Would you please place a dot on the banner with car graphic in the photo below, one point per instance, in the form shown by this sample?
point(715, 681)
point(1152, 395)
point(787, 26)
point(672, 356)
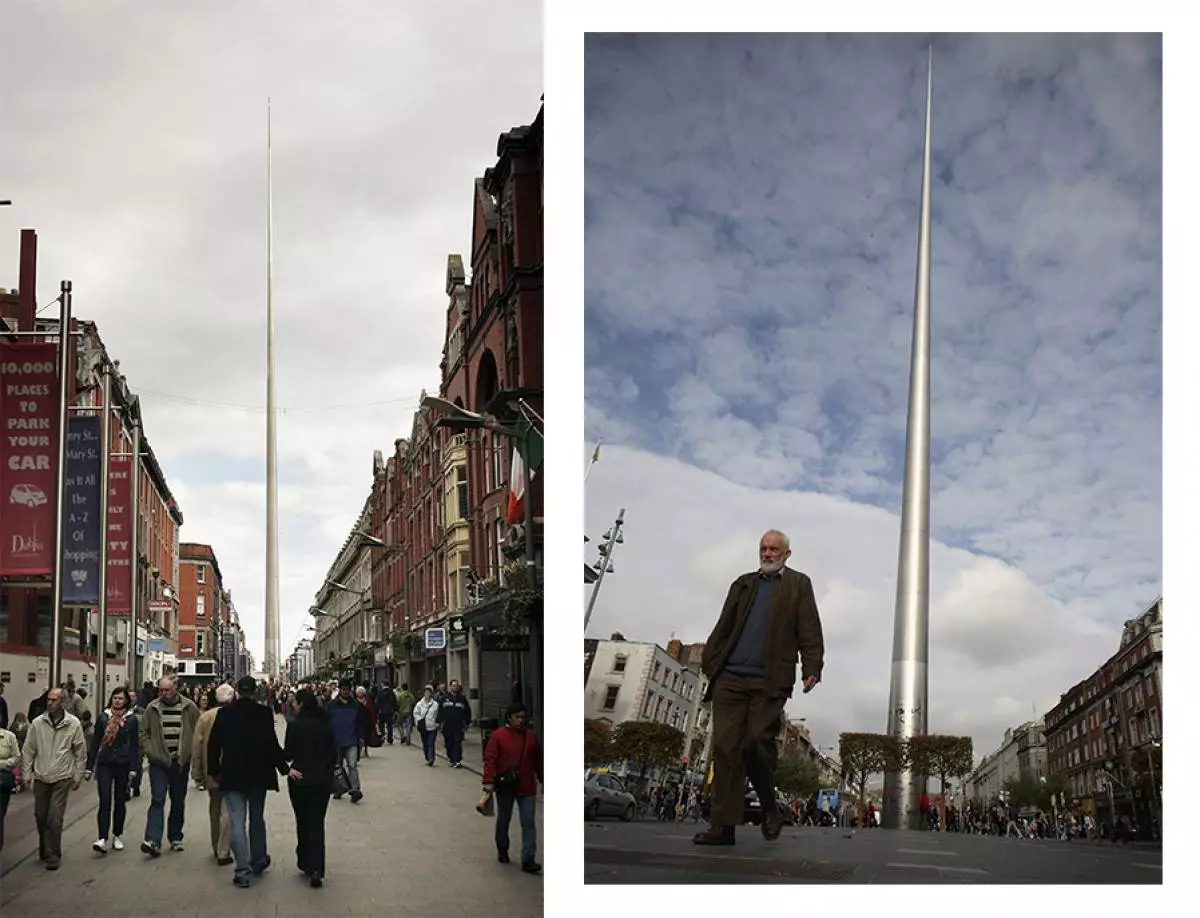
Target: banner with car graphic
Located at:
point(81, 516)
point(28, 457)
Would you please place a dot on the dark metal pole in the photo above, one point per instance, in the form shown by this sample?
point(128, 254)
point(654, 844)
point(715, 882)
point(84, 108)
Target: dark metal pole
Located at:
point(65, 342)
point(135, 485)
point(535, 624)
point(105, 451)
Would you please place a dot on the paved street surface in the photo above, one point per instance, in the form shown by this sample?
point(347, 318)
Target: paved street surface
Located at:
point(662, 852)
point(414, 845)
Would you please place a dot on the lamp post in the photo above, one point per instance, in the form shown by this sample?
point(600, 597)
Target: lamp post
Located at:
point(612, 538)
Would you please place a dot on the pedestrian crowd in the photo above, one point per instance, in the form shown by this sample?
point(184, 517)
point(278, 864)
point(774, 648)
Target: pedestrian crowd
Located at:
point(222, 738)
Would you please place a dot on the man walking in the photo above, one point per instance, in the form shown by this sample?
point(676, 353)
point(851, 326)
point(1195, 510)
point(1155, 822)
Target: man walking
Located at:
point(53, 761)
point(386, 703)
point(350, 730)
point(218, 816)
point(404, 709)
point(244, 757)
point(454, 715)
point(166, 733)
point(770, 616)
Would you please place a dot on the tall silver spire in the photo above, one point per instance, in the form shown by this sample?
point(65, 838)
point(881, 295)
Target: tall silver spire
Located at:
point(908, 703)
point(271, 631)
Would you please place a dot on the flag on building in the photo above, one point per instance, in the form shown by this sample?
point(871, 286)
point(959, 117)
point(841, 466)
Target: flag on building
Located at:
point(535, 444)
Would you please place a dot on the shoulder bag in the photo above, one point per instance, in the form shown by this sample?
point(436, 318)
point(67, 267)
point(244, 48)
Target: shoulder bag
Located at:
point(508, 779)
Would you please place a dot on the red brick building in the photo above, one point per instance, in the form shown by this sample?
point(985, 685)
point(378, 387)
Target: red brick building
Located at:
point(25, 609)
point(440, 500)
point(1104, 737)
point(203, 606)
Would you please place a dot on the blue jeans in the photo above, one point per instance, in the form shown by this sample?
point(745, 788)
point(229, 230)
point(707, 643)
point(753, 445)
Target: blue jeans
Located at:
point(406, 729)
point(526, 807)
point(252, 852)
point(175, 780)
point(348, 757)
point(429, 744)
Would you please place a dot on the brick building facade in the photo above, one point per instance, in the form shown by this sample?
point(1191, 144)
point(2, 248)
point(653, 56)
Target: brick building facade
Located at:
point(1104, 737)
point(26, 610)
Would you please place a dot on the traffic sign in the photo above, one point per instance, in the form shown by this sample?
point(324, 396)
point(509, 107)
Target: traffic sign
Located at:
point(435, 638)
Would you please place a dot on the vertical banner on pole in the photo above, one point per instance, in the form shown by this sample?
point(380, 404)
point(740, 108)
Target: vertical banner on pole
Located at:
point(120, 529)
point(82, 528)
point(29, 405)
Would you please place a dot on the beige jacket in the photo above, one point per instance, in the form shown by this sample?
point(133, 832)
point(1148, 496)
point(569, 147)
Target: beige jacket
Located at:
point(54, 753)
point(200, 748)
point(10, 749)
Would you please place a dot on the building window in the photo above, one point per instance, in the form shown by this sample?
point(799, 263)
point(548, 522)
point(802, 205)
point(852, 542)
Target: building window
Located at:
point(657, 669)
point(610, 697)
point(199, 643)
point(497, 461)
point(619, 663)
point(199, 573)
point(200, 605)
point(463, 500)
point(646, 705)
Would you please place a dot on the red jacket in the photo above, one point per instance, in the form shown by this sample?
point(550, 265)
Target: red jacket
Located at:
point(503, 752)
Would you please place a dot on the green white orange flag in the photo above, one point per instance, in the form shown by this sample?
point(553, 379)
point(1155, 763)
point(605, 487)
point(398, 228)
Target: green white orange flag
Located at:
point(516, 481)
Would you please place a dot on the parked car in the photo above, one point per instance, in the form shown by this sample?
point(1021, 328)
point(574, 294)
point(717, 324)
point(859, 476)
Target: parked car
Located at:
point(753, 809)
point(605, 795)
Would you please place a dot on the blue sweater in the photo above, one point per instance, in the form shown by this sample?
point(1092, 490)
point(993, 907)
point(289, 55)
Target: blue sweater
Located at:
point(345, 719)
point(749, 657)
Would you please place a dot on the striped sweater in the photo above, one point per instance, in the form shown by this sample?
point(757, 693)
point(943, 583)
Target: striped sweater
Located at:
point(172, 726)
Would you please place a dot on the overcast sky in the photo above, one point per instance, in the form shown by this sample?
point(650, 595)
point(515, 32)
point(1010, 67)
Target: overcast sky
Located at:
point(751, 234)
point(134, 142)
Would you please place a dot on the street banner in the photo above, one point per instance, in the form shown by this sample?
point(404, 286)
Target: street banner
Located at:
point(228, 648)
point(82, 529)
point(28, 457)
point(120, 535)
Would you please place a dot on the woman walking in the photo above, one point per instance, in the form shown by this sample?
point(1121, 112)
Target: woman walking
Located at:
point(425, 714)
point(10, 758)
point(113, 756)
point(310, 748)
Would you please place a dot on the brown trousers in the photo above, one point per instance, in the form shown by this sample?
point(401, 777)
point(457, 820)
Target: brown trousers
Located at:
point(49, 808)
point(218, 821)
point(745, 723)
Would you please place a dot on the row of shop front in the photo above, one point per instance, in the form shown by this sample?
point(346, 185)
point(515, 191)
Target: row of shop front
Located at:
point(486, 654)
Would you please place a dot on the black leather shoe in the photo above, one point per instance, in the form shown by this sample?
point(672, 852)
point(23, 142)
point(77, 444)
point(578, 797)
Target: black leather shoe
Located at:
point(715, 835)
point(531, 866)
point(502, 857)
point(772, 823)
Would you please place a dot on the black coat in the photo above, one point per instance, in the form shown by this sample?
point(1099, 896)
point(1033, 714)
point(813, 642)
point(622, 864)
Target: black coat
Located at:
point(243, 750)
point(386, 702)
point(309, 746)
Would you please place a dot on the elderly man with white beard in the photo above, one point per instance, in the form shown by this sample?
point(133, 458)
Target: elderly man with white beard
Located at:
point(770, 617)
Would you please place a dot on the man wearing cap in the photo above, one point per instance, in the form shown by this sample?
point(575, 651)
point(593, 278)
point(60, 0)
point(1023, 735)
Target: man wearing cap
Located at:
point(243, 757)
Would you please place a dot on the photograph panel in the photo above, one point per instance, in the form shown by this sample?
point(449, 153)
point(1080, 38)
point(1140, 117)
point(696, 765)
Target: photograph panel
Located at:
point(873, 578)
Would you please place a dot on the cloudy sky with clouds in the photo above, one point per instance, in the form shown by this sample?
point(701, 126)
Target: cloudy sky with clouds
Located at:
point(135, 145)
point(751, 206)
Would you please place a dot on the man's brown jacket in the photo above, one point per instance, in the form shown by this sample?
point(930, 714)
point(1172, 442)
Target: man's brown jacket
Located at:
point(793, 631)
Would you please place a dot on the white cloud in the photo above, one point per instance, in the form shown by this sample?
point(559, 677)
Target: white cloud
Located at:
point(998, 645)
point(142, 165)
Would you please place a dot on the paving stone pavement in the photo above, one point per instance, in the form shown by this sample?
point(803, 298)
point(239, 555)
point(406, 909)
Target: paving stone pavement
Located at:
point(414, 845)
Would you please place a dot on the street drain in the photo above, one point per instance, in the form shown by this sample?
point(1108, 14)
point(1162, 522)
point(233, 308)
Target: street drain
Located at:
point(729, 866)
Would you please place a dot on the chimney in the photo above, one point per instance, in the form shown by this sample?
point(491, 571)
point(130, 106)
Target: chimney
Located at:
point(27, 295)
point(675, 648)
